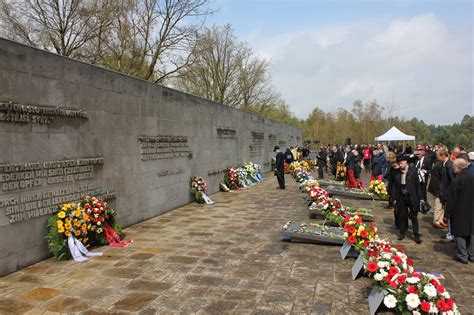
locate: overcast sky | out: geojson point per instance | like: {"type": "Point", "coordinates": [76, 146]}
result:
{"type": "Point", "coordinates": [415, 54]}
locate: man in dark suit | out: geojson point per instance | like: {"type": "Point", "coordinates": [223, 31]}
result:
{"type": "Point", "coordinates": [447, 176]}
{"type": "Point", "coordinates": [407, 198]}
{"type": "Point", "coordinates": [423, 165]}
{"type": "Point", "coordinates": [459, 211]}
{"type": "Point", "coordinates": [321, 157]}
{"type": "Point", "coordinates": [280, 167]}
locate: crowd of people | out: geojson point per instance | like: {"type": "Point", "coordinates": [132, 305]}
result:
{"type": "Point", "coordinates": [410, 175]}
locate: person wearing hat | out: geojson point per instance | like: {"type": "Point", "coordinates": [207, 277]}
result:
{"type": "Point", "coordinates": [407, 198]}
{"type": "Point", "coordinates": [279, 167]}
{"type": "Point", "coordinates": [459, 211]}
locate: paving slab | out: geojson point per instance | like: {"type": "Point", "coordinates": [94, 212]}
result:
{"type": "Point", "coordinates": [225, 258]}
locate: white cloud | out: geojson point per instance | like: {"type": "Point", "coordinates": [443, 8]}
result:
{"type": "Point", "coordinates": [418, 63]}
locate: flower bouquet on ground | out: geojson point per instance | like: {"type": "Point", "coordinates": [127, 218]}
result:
{"type": "Point", "coordinates": [258, 171]}
{"type": "Point", "coordinates": [242, 177]}
{"type": "Point", "coordinates": [329, 208]}
{"type": "Point", "coordinates": [308, 185]}
{"type": "Point", "coordinates": [304, 165]}
{"type": "Point", "coordinates": [104, 227]}
{"type": "Point", "coordinates": [293, 166]}
{"type": "Point", "coordinates": [378, 189]}
{"type": "Point", "coordinates": [231, 178]}
{"type": "Point", "coordinates": [198, 187]}
{"type": "Point", "coordinates": [406, 291]}
{"type": "Point", "coordinates": [312, 166]}
{"type": "Point", "coordinates": [76, 226]}
{"type": "Point", "coordinates": [69, 221]}
{"type": "Point", "coordinates": [302, 175]}
{"type": "Point", "coordinates": [102, 219]}
{"type": "Point", "coordinates": [315, 193]}
{"type": "Point", "coordinates": [358, 233]}
{"type": "Point", "coordinates": [418, 294]}
{"type": "Point", "coordinates": [249, 168]}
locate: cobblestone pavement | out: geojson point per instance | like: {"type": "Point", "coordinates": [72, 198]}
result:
{"type": "Point", "coordinates": [225, 258]}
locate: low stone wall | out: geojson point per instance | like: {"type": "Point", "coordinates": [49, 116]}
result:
{"type": "Point", "coordinates": [68, 129]}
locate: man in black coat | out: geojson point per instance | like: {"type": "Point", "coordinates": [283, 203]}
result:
{"type": "Point", "coordinates": [407, 198]}
{"type": "Point", "coordinates": [423, 165]}
{"type": "Point", "coordinates": [433, 188]}
{"type": "Point", "coordinates": [377, 165]}
{"type": "Point", "coordinates": [321, 157]}
{"type": "Point", "coordinates": [460, 211]}
{"type": "Point", "coordinates": [447, 176]}
{"type": "Point", "coordinates": [289, 158]}
{"type": "Point", "coordinates": [280, 167]}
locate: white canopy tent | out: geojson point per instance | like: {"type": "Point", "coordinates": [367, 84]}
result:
{"type": "Point", "coordinates": [395, 135]}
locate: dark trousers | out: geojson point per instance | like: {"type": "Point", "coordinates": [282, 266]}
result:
{"type": "Point", "coordinates": [423, 190]}
{"type": "Point", "coordinates": [333, 168]}
{"type": "Point", "coordinates": [280, 174]}
{"type": "Point", "coordinates": [404, 210]}
{"type": "Point", "coordinates": [321, 171]}
{"type": "Point", "coordinates": [367, 165]}
{"type": "Point", "coordinates": [464, 247]}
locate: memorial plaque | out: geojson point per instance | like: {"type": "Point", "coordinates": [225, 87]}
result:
{"type": "Point", "coordinates": [348, 251]}
{"type": "Point", "coordinates": [170, 172]}
{"type": "Point", "coordinates": [48, 184]}
{"type": "Point", "coordinates": [226, 132]}
{"type": "Point", "coordinates": [300, 232]}
{"type": "Point", "coordinates": [164, 147]}
{"type": "Point", "coordinates": [272, 141]}
{"type": "Point", "coordinates": [11, 112]}
{"type": "Point", "coordinates": [358, 267]}
{"type": "Point", "coordinates": [376, 297]}
{"type": "Point", "coordinates": [216, 172]}
{"type": "Point", "coordinates": [256, 143]}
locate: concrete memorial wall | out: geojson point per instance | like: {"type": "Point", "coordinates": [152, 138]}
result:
{"type": "Point", "coordinates": [69, 129]}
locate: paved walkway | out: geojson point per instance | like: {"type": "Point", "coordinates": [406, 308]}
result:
{"type": "Point", "coordinates": [225, 258]}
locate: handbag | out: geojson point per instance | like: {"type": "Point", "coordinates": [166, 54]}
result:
{"type": "Point", "coordinates": [425, 207]}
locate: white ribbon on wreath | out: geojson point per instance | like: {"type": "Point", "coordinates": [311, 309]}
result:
{"type": "Point", "coordinates": [78, 249]}
{"type": "Point", "coordinates": [207, 199]}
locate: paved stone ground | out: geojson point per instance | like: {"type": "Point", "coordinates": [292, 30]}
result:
{"type": "Point", "coordinates": [225, 258]}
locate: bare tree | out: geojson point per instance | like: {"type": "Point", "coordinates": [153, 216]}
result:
{"type": "Point", "coordinates": [62, 26]}
{"type": "Point", "coordinates": [151, 39]}
{"type": "Point", "coordinates": [226, 70]}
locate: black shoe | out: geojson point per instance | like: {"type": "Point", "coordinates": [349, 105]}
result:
{"type": "Point", "coordinates": [471, 259]}
{"type": "Point", "coordinates": [456, 258]}
{"type": "Point", "coordinates": [401, 236]}
{"type": "Point", "coordinates": [417, 240]}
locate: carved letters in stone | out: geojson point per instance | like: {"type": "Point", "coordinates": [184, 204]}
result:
{"type": "Point", "coordinates": [11, 112]}
{"type": "Point", "coordinates": [170, 172]}
{"type": "Point", "coordinates": [69, 176]}
{"type": "Point", "coordinates": [256, 143]}
{"type": "Point", "coordinates": [216, 172]}
{"type": "Point", "coordinates": [30, 175]}
{"type": "Point", "coordinates": [226, 132]}
{"type": "Point", "coordinates": [164, 147]}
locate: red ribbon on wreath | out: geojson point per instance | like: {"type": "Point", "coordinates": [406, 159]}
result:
{"type": "Point", "coordinates": [113, 238]}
